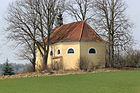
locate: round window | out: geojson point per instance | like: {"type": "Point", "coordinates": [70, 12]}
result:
{"type": "Point", "coordinates": [92, 51]}
{"type": "Point", "coordinates": [70, 51]}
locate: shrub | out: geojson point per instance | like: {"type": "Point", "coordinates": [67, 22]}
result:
{"type": "Point", "coordinates": [86, 65]}
{"type": "Point", "coordinates": [130, 59]}
{"type": "Point", "coordinates": [55, 65]}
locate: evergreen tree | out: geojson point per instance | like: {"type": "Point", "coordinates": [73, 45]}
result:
{"type": "Point", "coordinates": [7, 70]}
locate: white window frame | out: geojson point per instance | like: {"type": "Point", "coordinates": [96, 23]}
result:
{"type": "Point", "coordinates": [92, 53]}
{"type": "Point", "coordinates": [57, 52]}
{"type": "Point", "coordinates": [70, 53]}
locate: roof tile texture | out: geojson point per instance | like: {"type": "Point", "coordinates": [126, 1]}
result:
{"type": "Point", "coordinates": [75, 32]}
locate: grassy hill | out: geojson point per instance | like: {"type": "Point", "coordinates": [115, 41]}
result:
{"type": "Point", "coordinates": [104, 82]}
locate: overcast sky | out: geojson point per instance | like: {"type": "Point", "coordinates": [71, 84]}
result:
{"type": "Point", "coordinates": [7, 51]}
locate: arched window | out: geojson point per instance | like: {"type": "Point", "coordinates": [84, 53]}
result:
{"type": "Point", "coordinates": [58, 52]}
{"type": "Point", "coordinates": [51, 53]}
{"type": "Point", "coordinates": [92, 51]}
{"type": "Point", "coordinates": [70, 51]}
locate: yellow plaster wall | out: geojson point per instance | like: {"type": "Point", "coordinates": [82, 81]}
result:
{"type": "Point", "coordinates": [70, 61]}
{"type": "Point", "coordinates": [99, 58]}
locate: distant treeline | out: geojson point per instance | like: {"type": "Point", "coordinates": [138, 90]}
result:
{"type": "Point", "coordinates": [18, 68]}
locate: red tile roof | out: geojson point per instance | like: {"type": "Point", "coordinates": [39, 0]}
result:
{"type": "Point", "coordinates": [75, 32]}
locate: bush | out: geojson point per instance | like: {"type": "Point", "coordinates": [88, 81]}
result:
{"type": "Point", "coordinates": [86, 65]}
{"type": "Point", "coordinates": [55, 65]}
{"type": "Point", "coordinates": [129, 59]}
{"type": "Point", "coordinates": [132, 58]}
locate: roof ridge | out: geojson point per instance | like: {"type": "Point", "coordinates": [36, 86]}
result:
{"type": "Point", "coordinates": [65, 35]}
{"type": "Point", "coordinates": [73, 32]}
{"type": "Point", "coordinates": [75, 27]}
{"type": "Point", "coordinates": [95, 32]}
{"type": "Point", "coordinates": [82, 30]}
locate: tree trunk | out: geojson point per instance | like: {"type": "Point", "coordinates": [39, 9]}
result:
{"type": "Point", "coordinates": [112, 54]}
{"type": "Point", "coordinates": [34, 66]}
{"type": "Point", "coordinates": [34, 62]}
{"type": "Point", "coordinates": [45, 58]}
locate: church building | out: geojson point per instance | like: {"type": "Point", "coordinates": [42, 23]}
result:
{"type": "Point", "coordinates": [73, 42]}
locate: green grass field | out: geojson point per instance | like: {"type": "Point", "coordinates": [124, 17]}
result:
{"type": "Point", "coordinates": [104, 82]}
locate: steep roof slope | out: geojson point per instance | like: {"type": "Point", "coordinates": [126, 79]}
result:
{"type": "Point", "coordinates": [75, 32]}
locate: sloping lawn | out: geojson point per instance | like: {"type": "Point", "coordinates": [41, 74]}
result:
{"type": "Point", "coordinates": [105, 82]}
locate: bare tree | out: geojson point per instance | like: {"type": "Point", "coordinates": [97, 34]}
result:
{"type": "Point", "coordinates": [80, 9]}
{"type": "Point", "coordinates": [30, 22]}
{"type": "Point", "coordinates": [112, 23]}
{"type": "Point", "coordinates": [28, 53]}
{"type": "Point", "coordinates": [22, 25]}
